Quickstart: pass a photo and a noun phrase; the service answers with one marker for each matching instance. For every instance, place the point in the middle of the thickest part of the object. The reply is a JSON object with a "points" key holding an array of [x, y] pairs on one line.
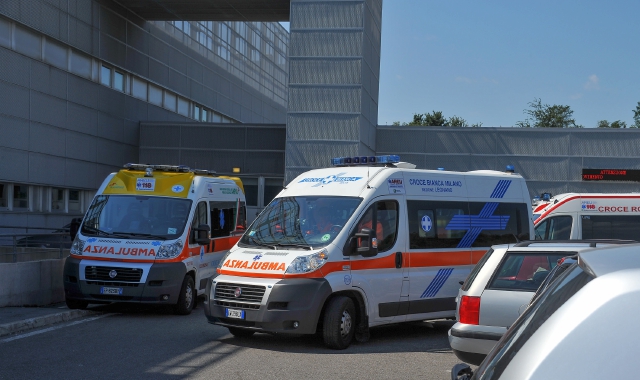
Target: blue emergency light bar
{"points": [[365, 160]]}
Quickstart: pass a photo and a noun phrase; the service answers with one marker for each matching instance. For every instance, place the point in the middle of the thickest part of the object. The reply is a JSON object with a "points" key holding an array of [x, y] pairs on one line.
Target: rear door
{"points": [[513, 283]]}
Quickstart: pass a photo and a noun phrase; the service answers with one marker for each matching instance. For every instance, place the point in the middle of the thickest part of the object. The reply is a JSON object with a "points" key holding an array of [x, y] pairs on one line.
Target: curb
{"points": [[46, 320]]}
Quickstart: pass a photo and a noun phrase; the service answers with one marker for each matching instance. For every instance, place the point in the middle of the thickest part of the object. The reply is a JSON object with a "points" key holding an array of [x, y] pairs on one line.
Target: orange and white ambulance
{"points": [[153, 234], [370, 241], [588, 216]]}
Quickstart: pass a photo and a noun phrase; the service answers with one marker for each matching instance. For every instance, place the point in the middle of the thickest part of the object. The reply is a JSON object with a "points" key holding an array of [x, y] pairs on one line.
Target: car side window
{"points": [[199, 217], [384, 214], [522, 271], [556, 228]]}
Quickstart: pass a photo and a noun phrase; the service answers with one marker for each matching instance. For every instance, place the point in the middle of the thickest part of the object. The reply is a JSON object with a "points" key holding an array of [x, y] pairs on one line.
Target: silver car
{"points": [[498, 290], [583, 326]]}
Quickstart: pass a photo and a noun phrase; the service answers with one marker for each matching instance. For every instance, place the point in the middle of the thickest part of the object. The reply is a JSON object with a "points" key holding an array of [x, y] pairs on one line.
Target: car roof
{"points": [[610, 259], [561, 245]]}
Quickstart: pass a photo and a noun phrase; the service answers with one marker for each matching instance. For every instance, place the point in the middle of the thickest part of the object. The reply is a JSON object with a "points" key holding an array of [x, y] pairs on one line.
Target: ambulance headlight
{"points": [[77, 246], [169, 251], [309, 263]]}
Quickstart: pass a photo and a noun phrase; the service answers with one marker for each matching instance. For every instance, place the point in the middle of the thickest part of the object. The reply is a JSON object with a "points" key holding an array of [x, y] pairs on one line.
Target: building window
{"points": [[20, 197], [57, 200], [105, 76], [74, 201], [196, 112], [118, 81], [139, 89], [4, 195], [205, 115]]}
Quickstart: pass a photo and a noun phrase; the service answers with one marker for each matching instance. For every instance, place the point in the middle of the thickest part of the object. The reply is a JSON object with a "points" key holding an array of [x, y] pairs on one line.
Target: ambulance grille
{"points": [[97, 273], [249, 293]]}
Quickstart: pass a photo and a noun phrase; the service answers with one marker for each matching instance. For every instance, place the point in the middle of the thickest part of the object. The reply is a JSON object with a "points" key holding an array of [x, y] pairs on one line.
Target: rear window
{"points": [[474, 273], [524, 271], [611, 227], [572, 280]]}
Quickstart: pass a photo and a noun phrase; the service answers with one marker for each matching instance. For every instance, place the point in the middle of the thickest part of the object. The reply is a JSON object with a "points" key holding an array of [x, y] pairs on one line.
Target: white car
{"points": [[584, 325], [499, 289]]}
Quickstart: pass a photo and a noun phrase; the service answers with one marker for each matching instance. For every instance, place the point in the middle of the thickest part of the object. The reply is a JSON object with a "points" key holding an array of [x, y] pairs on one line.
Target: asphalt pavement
{"points": [[14, 320]]}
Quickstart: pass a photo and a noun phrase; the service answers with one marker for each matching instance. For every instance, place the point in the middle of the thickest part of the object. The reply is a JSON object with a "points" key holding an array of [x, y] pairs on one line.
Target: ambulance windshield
{"points": [[300, 222], [137, 217]]}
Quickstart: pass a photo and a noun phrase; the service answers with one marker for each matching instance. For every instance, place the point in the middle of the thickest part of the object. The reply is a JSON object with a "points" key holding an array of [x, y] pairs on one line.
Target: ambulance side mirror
{"points": [[202, 234], [368, 246], [74, 227]]}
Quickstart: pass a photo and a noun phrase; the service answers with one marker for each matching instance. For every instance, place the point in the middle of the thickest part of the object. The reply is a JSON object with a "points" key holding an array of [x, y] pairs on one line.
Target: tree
{"points": [[546, 116], [615, 124], [434, 119], [455, 121], [636, 117]]}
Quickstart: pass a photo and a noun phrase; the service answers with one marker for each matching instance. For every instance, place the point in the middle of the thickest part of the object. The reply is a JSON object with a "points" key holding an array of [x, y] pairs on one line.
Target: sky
{"points": [[485, 61]]}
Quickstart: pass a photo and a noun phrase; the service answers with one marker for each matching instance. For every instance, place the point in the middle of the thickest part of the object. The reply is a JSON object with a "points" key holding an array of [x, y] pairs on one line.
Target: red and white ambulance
{"points": [[368, 242], [153, 234], [588, 216]]}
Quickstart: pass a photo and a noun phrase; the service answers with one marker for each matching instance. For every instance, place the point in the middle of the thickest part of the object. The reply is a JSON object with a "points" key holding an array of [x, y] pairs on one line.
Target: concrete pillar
{"points": [[334, 75]]}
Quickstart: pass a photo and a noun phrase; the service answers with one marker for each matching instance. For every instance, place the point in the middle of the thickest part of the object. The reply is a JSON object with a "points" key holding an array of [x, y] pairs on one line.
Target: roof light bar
{"points": [[365, 160], [164, 168]]}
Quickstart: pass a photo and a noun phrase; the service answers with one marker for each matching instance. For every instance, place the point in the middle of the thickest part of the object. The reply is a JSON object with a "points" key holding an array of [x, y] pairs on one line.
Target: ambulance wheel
{"points": [[240, 333], [339, 323], [76, 304], [187, 297]]}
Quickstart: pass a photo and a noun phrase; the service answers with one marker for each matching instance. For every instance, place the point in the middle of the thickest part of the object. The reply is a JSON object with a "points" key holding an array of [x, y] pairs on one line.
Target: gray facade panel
{"points": [[83, 91], [160, 136], [81, 174], [80, 146], [524, 142], [46, 139], [135, 109], [48, 80], [323, 127], [160, 156], [14, 133], [115, 154], [322, 15], [112, 50], [611, 143], [137, 62], [82, 119], [110, 127], [18, 171], [266, 138], [111, 101], [14, 100], [14, 68], [46, 169], [325, 99], [264, 163], [48, 109], [158, 72], [131, 133], [227, 138], [344, 43]]}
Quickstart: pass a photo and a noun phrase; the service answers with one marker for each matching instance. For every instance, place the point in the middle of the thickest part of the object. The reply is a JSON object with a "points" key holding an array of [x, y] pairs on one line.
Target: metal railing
{"points": [[34, 246]]}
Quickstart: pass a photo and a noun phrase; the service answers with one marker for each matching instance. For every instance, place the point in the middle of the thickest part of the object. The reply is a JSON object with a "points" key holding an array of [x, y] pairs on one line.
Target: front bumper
{"points": [[162, 280], [472, 343], [283, 303]]}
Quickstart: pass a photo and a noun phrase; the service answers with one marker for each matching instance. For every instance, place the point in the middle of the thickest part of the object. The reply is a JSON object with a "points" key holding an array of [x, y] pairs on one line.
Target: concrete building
{"points": [[78, 77], [88, 85]]}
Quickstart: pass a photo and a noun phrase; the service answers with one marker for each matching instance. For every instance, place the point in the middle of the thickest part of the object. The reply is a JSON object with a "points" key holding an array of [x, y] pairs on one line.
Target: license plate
{"points": [[233, 313], [113, 291]]}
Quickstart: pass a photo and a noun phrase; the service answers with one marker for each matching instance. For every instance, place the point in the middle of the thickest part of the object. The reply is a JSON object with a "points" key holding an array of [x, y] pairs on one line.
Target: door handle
{"points": [[398, 259]]}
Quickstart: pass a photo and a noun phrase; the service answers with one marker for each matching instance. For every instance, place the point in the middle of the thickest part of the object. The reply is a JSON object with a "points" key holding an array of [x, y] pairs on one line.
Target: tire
{"points": [[240, 333], [339, 323], [76, 304], [187, 297]]}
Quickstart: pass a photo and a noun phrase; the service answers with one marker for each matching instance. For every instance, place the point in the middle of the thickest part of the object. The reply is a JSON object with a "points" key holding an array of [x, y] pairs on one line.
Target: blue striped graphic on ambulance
{"points": [[437, 282], [474, 224]]}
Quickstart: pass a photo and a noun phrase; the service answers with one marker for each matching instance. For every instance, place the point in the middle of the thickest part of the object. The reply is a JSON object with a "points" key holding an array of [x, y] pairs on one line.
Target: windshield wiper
{"points": [[142, 234], [96, 230], [305, 246], [256, 242]]}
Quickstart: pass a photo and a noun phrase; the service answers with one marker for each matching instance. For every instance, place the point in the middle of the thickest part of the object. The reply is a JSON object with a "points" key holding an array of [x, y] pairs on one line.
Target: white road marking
{"points": [[52, 328]]}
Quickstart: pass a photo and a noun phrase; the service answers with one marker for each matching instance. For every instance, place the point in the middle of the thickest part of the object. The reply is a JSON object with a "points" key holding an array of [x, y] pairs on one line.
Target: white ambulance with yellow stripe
{"points": [[368, 242], [153, 234]]}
